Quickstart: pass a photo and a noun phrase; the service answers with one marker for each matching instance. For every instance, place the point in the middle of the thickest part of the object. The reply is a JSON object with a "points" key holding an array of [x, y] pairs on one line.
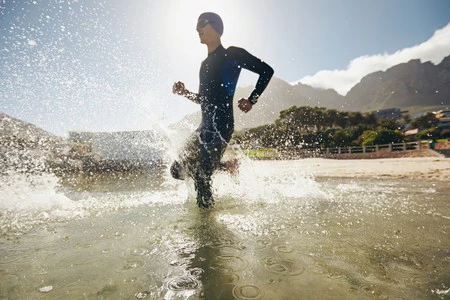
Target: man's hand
{"points": [[178, 88], [244, 105]]}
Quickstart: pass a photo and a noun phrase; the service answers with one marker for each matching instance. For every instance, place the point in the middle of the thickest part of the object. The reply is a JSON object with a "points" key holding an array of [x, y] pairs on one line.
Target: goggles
{"points": [[202, 23]]}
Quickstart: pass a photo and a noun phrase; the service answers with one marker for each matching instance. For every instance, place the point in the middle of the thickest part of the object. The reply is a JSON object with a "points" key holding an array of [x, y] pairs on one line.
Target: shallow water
{"points": [[275, 233]]}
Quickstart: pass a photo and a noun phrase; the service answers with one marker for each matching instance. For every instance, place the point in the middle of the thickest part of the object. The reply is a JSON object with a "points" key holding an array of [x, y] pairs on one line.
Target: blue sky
{"points": [[98, 65]]}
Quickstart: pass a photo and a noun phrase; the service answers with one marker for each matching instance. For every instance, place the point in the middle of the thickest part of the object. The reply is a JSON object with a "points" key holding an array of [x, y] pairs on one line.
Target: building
{"points": [[444, 118]]}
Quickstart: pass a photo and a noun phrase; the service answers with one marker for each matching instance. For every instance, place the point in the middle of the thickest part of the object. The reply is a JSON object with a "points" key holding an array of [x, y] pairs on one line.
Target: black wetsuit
{"points": [[219, 74]]}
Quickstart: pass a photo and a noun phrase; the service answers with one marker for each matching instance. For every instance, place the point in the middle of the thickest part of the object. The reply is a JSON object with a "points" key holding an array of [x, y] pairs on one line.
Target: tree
{"points": [[426, 121], [355, 118], [382, 136], [389, 124], [429, 133], [342, 119], [445, 133], [319, 127]]}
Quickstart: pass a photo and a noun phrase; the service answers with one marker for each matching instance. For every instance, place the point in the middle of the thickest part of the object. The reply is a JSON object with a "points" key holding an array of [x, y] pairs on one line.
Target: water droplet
{"points": [[228, 251], [229, 264], [142, 295], [46, 289], [262, 244], [196, 272], [286, 267], [230, 278], [138, 251], [284, 248], [247, 292], [133, 264], [182, 283]]}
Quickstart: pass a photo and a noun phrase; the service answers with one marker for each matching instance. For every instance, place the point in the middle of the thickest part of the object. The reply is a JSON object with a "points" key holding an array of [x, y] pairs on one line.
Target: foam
{"points": [[36, 193], [262, 182]]}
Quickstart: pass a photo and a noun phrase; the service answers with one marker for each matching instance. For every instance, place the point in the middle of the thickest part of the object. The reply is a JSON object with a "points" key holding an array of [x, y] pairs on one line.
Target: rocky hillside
{"points": [[24, 147], [404, 85], [10, 126]]}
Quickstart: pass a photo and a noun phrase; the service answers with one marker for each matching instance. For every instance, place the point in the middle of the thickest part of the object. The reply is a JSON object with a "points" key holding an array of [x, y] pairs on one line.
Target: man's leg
{"points": [[177, 171], [199, 159], [211, 151], [189, 156], [203, 186], [195, 162]]}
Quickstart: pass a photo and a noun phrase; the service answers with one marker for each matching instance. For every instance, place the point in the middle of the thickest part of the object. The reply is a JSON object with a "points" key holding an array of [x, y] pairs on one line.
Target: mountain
{"points": [[404, 85], [281, 95]]}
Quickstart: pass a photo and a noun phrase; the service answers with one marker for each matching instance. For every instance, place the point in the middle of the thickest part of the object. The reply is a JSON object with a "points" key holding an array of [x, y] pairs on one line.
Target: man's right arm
{"points": [[179, 89], [191, 96]]}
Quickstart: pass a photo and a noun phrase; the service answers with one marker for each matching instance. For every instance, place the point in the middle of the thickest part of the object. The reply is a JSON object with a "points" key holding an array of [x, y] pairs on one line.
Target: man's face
{"points": [[207, 33]]}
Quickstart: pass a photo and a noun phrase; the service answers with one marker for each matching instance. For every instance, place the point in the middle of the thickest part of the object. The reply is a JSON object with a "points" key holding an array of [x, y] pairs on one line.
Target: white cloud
{"points": [[435, 50]]}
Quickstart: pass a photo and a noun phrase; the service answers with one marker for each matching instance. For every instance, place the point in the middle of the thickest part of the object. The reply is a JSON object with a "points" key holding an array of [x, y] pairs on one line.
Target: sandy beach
{"points": [[423, 168]]}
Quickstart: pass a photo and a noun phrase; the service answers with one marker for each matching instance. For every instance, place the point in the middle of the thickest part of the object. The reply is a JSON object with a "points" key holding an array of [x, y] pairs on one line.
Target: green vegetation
{"points": [[261, 153], [381, 136], [318, 127]]}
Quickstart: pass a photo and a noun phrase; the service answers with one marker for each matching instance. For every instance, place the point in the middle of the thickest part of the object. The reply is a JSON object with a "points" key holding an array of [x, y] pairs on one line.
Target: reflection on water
{"points": [[139, 236]]}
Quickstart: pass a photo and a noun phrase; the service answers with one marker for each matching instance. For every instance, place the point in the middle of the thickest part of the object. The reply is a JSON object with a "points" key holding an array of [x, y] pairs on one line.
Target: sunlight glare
{"points": [[179, 19]]}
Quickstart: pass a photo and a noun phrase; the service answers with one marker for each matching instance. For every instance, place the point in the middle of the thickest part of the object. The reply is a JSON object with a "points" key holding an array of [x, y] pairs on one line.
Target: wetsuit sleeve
{"points": [[255, 65], [194, 97]]}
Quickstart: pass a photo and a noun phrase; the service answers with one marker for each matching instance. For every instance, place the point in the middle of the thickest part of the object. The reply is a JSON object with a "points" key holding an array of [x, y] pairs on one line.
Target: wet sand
{"points": [[423, 168]]}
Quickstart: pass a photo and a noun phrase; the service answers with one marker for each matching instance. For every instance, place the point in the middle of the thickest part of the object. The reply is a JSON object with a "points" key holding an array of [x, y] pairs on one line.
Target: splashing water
{"points": [[28, 200]]}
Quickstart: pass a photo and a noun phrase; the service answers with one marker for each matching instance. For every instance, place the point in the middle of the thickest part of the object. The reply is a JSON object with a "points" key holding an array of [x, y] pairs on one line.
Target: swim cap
{"points": [[214, 20]]}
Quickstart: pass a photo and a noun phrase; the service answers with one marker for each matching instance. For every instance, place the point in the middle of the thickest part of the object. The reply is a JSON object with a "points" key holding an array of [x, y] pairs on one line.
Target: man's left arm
{"points": [[257, 66]]}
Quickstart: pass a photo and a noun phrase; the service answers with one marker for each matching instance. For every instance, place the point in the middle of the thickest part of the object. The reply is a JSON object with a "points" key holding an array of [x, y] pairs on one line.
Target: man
{"points": [[219, 74]]}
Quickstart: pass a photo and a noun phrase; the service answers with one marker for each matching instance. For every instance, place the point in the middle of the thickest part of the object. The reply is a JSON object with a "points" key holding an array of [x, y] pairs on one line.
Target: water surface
{"points": [[275, 233]]}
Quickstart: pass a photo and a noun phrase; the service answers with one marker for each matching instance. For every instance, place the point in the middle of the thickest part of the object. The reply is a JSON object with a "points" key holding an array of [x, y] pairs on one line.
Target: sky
{"points": [[109, 65]]}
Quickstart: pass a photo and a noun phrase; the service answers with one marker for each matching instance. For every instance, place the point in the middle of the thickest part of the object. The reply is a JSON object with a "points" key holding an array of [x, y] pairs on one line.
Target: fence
{"points": [[375, 148], [294, 153]]}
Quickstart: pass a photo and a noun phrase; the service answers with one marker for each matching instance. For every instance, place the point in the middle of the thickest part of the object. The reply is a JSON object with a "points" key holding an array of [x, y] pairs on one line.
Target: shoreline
{"points": [[423, 168]]}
